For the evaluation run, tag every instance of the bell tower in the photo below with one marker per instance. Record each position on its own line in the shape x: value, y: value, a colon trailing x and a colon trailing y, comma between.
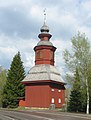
x: 44, y: 85
x: 44, y: 51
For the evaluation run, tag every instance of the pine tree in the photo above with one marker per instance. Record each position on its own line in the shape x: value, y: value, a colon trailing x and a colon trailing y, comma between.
x: 75, y: 104
x: 13, y: 88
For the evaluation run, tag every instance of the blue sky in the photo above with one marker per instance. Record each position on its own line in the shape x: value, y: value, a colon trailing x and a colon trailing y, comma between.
x: 21, y: 20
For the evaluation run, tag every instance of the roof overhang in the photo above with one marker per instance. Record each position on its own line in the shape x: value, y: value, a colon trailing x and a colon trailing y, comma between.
x: 43, y: 82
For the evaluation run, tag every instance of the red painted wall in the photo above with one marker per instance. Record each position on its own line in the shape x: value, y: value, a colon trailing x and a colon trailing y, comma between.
x: 38, y: 96
x: 56, y: 95
x: 41, y: 96
x: 44, y: 55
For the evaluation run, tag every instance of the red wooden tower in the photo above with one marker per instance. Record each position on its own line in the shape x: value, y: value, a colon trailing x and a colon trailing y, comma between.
x: 43, y: 83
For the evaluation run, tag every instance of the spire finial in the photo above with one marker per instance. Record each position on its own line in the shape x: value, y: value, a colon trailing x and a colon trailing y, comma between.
x: 44, y: 15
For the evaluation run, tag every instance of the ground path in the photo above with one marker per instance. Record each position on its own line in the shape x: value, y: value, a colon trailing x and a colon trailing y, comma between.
x: 41, y: 115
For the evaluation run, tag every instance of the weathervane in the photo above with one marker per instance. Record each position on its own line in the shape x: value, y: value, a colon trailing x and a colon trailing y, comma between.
x: 44, y: 15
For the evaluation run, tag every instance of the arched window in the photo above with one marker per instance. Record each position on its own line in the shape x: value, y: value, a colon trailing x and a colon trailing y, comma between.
x: 59, y: 90
x: 52, y: 100
x: 52, y: 90
x: 39, y: 54
x: 59, y: 100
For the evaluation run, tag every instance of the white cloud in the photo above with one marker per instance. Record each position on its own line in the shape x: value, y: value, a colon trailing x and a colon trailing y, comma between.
x: 9, y: 47
x: 21, y: 20
x: 87, y: 5
x: 8, y: 50
x: 29, y: 60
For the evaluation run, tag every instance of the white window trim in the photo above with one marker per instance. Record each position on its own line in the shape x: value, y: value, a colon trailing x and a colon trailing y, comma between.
x: 59, y: 100
x: 52, y: 100
x: 52, y: 90
x: 59, y: 90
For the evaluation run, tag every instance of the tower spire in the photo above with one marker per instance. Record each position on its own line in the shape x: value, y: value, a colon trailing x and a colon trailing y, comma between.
x: 44, y: 16
x: 44, y: 35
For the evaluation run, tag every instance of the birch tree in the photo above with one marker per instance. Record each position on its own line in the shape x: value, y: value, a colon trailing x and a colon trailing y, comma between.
x: 80, y: 58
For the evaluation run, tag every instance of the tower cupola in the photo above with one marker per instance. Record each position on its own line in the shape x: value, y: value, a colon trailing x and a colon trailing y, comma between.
x: 44, y: 35
x: 44, y: 28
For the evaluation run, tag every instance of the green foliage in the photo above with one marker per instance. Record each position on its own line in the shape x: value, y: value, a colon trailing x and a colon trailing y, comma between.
x: 2, y: 83
x: 13, y: 88
x: 77, y: 102
x: 80, y: 55
x: 74, y: 104
x: 78, y: 62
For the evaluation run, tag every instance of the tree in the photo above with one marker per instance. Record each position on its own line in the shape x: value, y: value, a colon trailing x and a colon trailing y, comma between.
x: 76, y: 101
x: 80, y: 58
x: 13, y: 88
x: 3, y: 80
